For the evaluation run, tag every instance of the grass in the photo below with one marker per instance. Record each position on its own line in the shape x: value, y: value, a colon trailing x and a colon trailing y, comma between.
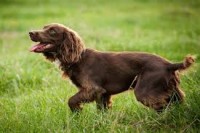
x: 33, y: 95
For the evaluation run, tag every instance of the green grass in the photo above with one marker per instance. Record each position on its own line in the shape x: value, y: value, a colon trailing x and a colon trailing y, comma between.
x: 33, y: 96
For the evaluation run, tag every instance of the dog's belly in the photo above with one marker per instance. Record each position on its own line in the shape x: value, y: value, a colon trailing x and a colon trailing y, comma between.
x: 115, y: 87
x: 116, y: 90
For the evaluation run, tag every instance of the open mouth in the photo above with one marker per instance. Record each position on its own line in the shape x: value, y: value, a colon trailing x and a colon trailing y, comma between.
x: 41, y: 47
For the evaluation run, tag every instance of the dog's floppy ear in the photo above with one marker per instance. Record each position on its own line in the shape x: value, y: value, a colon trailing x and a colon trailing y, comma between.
x: 71, y: 47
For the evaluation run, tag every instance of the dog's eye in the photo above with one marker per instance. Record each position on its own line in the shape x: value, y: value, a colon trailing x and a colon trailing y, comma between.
x: 52, y: 32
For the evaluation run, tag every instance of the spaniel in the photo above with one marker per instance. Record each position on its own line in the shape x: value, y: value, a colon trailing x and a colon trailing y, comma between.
x: 99, y: 75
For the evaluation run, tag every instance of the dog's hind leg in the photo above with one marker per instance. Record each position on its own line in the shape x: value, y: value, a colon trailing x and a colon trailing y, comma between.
x: 153, y: 90
x: 173, y: 82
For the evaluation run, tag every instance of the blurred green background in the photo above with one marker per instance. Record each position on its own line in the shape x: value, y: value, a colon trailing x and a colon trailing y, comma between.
x: 33, y: 95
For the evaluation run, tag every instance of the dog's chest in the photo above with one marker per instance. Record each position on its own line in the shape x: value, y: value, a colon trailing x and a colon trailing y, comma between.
x: 57, y: 63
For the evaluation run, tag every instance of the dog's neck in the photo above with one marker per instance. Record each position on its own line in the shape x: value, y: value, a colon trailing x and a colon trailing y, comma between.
x: 66, y: 67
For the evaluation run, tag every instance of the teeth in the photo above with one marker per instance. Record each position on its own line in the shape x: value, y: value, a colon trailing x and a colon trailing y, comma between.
x: 47, y: 45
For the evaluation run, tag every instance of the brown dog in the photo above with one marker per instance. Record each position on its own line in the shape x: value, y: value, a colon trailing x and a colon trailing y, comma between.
x: 99, y: 75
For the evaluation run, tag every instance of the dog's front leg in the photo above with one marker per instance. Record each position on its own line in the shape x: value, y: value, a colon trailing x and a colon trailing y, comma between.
x: 83, y: 96
x: 79, y: 98
x: 104, y: 102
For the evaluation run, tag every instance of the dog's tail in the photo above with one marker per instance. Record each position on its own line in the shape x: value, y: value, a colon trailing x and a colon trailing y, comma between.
x: 188, y: 61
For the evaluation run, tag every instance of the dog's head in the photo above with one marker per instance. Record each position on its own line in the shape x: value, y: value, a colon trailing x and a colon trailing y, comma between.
x: 56, y: 38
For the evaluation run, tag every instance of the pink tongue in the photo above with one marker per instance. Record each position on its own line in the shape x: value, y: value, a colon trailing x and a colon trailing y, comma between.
x: 36, y: 47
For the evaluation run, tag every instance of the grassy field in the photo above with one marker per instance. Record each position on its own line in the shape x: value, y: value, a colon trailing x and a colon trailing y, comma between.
x: 33, y: 96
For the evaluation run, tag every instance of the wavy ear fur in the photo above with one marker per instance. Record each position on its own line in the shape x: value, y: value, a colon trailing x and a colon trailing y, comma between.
x: 71, y: 47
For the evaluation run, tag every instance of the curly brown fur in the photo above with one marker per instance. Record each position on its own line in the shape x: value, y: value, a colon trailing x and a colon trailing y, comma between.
x: 99, y: 75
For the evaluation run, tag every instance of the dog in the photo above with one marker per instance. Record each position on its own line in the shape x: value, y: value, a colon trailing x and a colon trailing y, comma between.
x: 99, y: 75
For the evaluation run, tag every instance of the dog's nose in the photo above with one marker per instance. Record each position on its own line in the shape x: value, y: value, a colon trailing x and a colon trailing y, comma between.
x: 31, y: 33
